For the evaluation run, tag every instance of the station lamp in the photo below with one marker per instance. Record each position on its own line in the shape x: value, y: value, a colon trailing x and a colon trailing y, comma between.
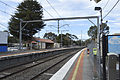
x: 99, y: 9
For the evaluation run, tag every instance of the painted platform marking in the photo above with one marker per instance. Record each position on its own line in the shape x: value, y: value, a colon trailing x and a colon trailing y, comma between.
x: 77, y: 70
x: 60, y: 74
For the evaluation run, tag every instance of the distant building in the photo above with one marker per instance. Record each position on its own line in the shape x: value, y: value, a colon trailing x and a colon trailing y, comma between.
x: 44, y: 44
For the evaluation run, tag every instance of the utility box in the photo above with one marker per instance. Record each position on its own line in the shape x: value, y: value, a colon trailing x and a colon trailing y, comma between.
x: 3, y: 41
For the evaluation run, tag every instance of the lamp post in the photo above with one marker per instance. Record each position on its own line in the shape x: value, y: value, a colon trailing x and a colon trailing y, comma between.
x: 103, y: 51
x: 99, y: 9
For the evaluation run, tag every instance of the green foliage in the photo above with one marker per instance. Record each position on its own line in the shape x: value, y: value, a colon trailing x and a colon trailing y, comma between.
x: 12, y: 40
x: 67, y: 39
x: 51, y: 36
x: 27, y: 10
x: 92, y: 32
x: 104, y: 28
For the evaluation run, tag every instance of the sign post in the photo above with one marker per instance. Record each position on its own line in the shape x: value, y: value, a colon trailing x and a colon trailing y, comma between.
x: 104, y: 53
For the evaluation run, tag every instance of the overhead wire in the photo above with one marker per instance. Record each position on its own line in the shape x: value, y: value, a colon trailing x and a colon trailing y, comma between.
x: 9, y: 27
x: 5, y: 12
x: 42, y: 7
x: 48, y: 12
x: 3, y: 26
x: 21, y: 5
x: 111, y: 9
x: 7, y: 4
x: 53, y: 8
x: 106, y: 4
x: 26, y: 9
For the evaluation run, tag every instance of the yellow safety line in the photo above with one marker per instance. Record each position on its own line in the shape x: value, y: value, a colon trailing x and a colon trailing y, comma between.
x: 76, y: 69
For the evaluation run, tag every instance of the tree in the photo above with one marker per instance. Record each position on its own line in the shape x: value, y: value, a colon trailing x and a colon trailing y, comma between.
x: 104, y: 28
x: 92, y: 32
x: 12, y: 39
x: 67, y: 39
x: 27, y: 10
x: 51, y: 36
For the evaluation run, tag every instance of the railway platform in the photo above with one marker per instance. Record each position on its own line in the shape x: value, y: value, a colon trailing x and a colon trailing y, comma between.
x: 26, y: 52
x: 79, y: 67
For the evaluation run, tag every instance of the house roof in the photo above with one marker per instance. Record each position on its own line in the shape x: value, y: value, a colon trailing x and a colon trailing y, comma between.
x: 33, y: 42
x: 43, y: 40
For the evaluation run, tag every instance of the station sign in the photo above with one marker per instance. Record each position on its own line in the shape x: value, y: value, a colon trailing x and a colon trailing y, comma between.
x: 114, y: 44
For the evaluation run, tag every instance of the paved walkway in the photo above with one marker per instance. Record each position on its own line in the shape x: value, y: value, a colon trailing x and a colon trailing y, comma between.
x: 83, y: 68
x: 87, y: 68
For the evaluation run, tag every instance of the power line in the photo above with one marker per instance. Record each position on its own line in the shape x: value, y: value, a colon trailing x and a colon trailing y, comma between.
x: 16, y: 8
x: 9, y: 28
x: 5, y: 12
x: 53, y: 8
x: 48, y: 12
x: 111, y: 9
x: 42, y: 7
x: 3, y: 26
x: 106, y: 4
x: 7, y: 4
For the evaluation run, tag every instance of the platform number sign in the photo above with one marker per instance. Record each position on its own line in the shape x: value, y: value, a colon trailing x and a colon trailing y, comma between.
x: 114, y: 44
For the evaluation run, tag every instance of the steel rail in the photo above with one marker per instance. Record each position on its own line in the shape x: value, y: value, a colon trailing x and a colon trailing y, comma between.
x: 8, y: 75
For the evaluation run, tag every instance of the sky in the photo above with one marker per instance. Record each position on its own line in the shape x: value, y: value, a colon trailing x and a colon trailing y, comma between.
x: 68, y: 8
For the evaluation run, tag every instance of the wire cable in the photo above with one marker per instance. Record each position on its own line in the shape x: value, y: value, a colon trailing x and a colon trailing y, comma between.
x: 9, y: 27
x: 106, y: 4
x: 111, y: 9
x: 48, y: 12
x: 5, y: 12
x: 42, y: 7
x: 2, y: 26
x: 53, y: 8
x: 7, y: 4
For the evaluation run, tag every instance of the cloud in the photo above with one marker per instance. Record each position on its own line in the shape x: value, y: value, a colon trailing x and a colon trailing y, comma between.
x: 114, y: 40
x: 84, y: 36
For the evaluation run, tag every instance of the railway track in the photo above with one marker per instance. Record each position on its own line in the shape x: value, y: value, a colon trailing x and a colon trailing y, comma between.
x: 29, y: 66
x: 48, y: 68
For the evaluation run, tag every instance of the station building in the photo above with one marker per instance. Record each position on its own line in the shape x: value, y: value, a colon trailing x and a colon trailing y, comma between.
x: 44, y: 44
